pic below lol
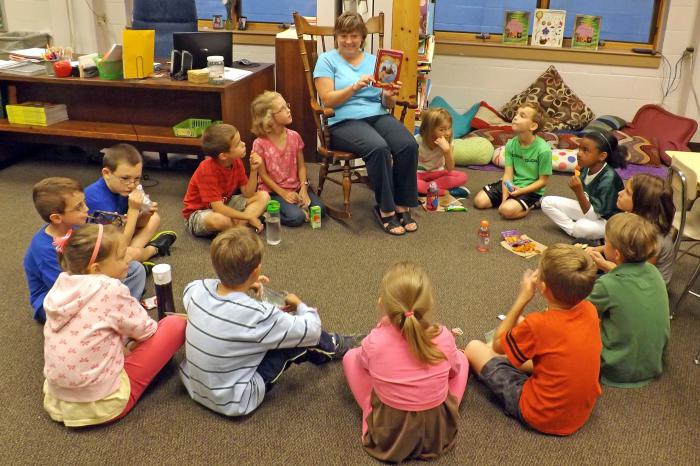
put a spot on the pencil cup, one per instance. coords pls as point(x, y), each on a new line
point(49, 67)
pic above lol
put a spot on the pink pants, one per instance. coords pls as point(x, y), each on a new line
point(360, 383)
point(445, 179)
point(149, 357)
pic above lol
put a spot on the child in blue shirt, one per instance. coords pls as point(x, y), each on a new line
point(61, 203)
point(121, 174)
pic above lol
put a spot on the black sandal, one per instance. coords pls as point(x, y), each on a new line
point(388, 224)
point(406, 219)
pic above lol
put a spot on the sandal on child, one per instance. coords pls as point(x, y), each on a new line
point(389, 224)
point(405, 219)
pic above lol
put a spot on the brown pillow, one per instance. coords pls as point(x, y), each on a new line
point(639, 150)
point(563, 108)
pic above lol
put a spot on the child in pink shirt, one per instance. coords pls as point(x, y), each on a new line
point(436, 160)
point(408, 376)
point(89, 313)
point(283, 173)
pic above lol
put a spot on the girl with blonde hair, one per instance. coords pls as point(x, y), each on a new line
point(408, 376)
point(283, 173)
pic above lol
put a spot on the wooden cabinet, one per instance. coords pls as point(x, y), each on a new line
point(140, 112)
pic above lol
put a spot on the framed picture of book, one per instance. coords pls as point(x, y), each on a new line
point(586, 32)
point(548, 28)
point(516, 27)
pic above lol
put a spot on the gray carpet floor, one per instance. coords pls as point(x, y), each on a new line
point(311, 417)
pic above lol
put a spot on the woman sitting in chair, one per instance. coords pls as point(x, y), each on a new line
point(363, 125)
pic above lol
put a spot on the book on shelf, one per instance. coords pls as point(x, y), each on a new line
point(36, 113)
point(586, 33)
point(516, 27)
point(548, 27)
point(426, 50)
point(427, 13)
point(388, 67)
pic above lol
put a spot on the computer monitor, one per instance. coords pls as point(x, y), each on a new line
point(204, 44)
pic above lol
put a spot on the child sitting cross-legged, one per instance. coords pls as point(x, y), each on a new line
point(89, 315)
point(283, 171)
point(595, 188)
point(61, 204)
point(651, 198)
point(408, 376)
point(632, 304)
point(436, 160)
point(211, 202)
point(122, 166)
point(528, 168)
point(544, 368)
point(238, 347)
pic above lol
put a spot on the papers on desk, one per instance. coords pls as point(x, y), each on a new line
point(34, 53)
point(234, 74)
point(22, 68)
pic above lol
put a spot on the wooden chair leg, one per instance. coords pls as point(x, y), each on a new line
point(322, 173)
point(163, 159)
point(347, 186)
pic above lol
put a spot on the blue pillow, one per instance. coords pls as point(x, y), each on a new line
point(461, 124)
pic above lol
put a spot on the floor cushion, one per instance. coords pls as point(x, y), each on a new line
point(472, 151)
point(563, 160)
point(564, 109)
point(461, 123)
point(499, 137)
point(488, 117)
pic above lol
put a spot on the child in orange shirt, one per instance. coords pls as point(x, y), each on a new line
point(559, 347)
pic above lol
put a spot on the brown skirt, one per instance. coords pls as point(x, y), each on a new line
point(394, 435)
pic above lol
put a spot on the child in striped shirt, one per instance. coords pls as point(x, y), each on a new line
point(236, 346)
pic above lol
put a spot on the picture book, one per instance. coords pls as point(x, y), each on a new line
point(586, 33)
point(548, 28)
point(516, 27)
point(388, 67)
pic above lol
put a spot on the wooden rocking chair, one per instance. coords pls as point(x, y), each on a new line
point(333, 161)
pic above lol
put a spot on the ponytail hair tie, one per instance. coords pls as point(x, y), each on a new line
point(59, 244)
point(408, 314)
point(98, 242)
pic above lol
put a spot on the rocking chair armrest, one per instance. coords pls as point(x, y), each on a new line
point(407, 104)
point(324, 111)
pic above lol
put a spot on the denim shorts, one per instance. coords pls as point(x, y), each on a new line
point(506, 382)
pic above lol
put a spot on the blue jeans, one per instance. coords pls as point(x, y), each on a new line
point(291, 215)
point(135, 279)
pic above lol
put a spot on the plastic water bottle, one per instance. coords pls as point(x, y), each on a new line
point(431, 201)
point(484, 237)
point(273, 228)
point(509, 186)
point(162, 279)
point(146, 203)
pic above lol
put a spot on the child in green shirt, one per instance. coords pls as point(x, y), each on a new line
point(528, 168)
point(632, 304)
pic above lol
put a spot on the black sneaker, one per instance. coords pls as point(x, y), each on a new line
point(343, 343)
point(148, 265)
point(162, 242)
point(460, 192)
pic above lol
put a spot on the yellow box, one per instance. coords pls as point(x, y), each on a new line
point(198, 76)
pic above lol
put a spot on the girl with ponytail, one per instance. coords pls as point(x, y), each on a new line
point(408, 376)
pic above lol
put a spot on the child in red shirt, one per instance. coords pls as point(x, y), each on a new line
point(210, 204)
point(548, 379)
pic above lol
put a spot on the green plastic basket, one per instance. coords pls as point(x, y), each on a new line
point(110, 70)
point(192, 127)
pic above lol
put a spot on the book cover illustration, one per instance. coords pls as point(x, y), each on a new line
point(516, 27)
point(388, 67)
point(586, 32)
point(548, 28)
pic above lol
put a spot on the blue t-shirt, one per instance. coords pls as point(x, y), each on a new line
point(42, 269)
point(365, 102)
point(99, 197)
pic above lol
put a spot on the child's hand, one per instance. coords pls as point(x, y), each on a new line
point(528, 284)
point(135, 199)
point(304, 198)
point(256, 224)
point(515, 193)
point(290, 197)
point(292, 301)
point(600, 261)
point(443, 144)
point(258, 286)
point(255, 161)
point(575, 184)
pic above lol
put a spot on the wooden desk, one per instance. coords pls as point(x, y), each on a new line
point(139, 112)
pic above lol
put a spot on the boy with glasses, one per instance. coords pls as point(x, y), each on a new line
point(121, 174)
point(61, 204)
